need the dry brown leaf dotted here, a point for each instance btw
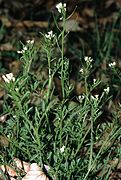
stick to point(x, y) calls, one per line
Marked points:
point(35, 173)
point(113, 163)
point(72, 25)
point(109, 3)
point(25, 23)
point(14, 66)
point(30, 24)
point(119, 166)
point(88, 12)
point(2, 92)
point(9, 170)
point(119, 3)
point(22, 164)
point(4, 141)
point(6, 21)
point(7, 47)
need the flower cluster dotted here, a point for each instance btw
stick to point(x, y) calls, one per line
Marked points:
point(112, 64)
point(61, 6)
point(95, 97)
point(22, 51)
point(50, 35)
point(31, 42)
point(8, 77)
point(88, 59)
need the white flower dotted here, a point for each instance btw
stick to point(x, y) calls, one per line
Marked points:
point(112, 64)
point(23, 51)
point(25, 48)
point(19, 52)
point(81, 70)
point(50, 35)
point(96, 96)
point(92, 97)
point(8, 77)
point(60, 6)
point(94, 80)
point(62, 149)
point(107, 90)
point(30, 41)
point(88, 59)
point(81, 97)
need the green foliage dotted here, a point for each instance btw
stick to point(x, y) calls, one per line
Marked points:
point(60, 133)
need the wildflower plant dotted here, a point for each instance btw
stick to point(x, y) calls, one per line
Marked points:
point(63, 61)
point(49, 42)
point(59, 133)
point(28, 54)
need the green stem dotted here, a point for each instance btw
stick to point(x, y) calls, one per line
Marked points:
point(60, 132)
point(91, 146)
point(62, 58)
point(50, 76)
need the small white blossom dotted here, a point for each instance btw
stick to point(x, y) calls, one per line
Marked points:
point(23, 51)
point(19, 52)
point(112, 64)
point(81, 70)
point(94, 80)
point(107, 90)
point(25, 48)
point(88, 59)
point(96, 96)
point(50, 35)
point(8, 77)
point(92, 97)
point(8, 135)
point(30, 41)
point(60, 6)
point(62, 149)
point(81, 97)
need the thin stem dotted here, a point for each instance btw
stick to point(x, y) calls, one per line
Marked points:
point(61, 120)
point(50, 76)
point(62, 58)
point(101, 149)
point(91, 146)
